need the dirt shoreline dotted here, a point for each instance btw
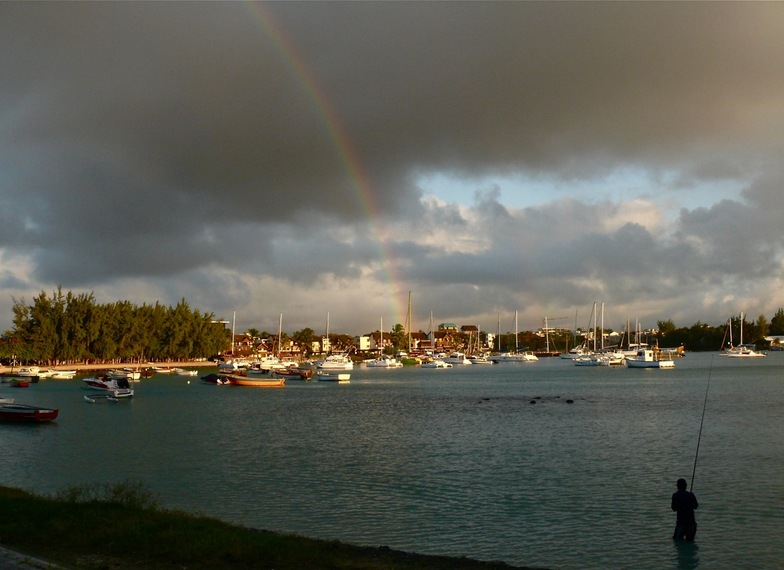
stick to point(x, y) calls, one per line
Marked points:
point(88, 367)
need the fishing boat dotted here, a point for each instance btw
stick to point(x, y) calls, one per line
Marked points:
point(333, 376)
point(649, 358)
point(234, 380)
point(25, 413)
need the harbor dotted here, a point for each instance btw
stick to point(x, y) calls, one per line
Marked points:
point(505, 462)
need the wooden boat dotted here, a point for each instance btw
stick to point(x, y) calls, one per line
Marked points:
point(233, 380)
point(293, 373)
point(19, 382)
point(25, 413)
point(333, 376)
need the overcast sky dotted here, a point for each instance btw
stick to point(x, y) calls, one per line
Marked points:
point(327, 158)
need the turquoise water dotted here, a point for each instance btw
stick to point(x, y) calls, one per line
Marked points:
point(455, 462)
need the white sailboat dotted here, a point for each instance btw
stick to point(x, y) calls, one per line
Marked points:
point(742, 350)
point(383, 361)
point(515, 356)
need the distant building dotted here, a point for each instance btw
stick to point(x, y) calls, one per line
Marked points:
point(448, 327)
point(362, 343)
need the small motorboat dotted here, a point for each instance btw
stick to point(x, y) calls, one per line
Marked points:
point(333, 376)
point(233, 380)
point(25, 413)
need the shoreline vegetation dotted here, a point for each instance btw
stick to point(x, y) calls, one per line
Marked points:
point(113, 366)
point(123, 527)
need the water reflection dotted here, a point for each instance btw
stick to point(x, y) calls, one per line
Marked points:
point(686, 554)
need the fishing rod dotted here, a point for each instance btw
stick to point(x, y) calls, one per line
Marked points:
point(702, 421)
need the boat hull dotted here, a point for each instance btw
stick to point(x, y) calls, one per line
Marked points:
point(255, 382)
point(27, 414)
point(341, 377)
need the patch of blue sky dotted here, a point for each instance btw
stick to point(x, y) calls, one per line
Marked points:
point(520, 191)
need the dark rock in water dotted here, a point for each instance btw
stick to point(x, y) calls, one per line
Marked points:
point(570, 401)
point(533, 401)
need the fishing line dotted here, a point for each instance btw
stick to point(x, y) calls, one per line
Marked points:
point(702, 421)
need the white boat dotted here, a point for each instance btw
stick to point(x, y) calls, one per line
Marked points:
point(329, 376)
point(62, 374)
point(575, 353)
point(516, 356)
point(128, 373)
point(586, 359)
point(118, 388)
point(480, 359)
point(265, 366)
point(458, 358)
point(742, 350)
point(230, 366)
point(185, 372)
point(384, 362)
point(611, 358)
point(435, 363)
point(29, 372)
point(335, 362)
point(649, 358)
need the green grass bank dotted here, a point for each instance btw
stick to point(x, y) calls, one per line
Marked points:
point(122, 526)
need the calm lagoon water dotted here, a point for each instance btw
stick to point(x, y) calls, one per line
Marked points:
point(455, 462)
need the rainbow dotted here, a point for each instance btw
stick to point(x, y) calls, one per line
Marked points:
point(348, 154)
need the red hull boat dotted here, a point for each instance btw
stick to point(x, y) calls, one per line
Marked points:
point(25, 413)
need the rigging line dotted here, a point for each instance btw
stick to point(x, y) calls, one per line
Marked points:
point(702, 421)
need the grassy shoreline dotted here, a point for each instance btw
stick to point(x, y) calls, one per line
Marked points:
point(122, 527)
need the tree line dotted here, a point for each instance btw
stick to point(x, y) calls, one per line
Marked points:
point(73, 328)
point(69, 328)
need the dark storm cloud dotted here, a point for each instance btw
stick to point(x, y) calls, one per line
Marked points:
point(169, 141)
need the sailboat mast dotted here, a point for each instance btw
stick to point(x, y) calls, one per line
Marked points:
point(602, 330)
point(546, 335)
point(409, 322)
point(280, 333)
point(432, 334)
point(499, 332)
point(516, 349)
point(233, 324)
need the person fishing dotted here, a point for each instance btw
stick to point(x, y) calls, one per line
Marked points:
point(684, 503)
